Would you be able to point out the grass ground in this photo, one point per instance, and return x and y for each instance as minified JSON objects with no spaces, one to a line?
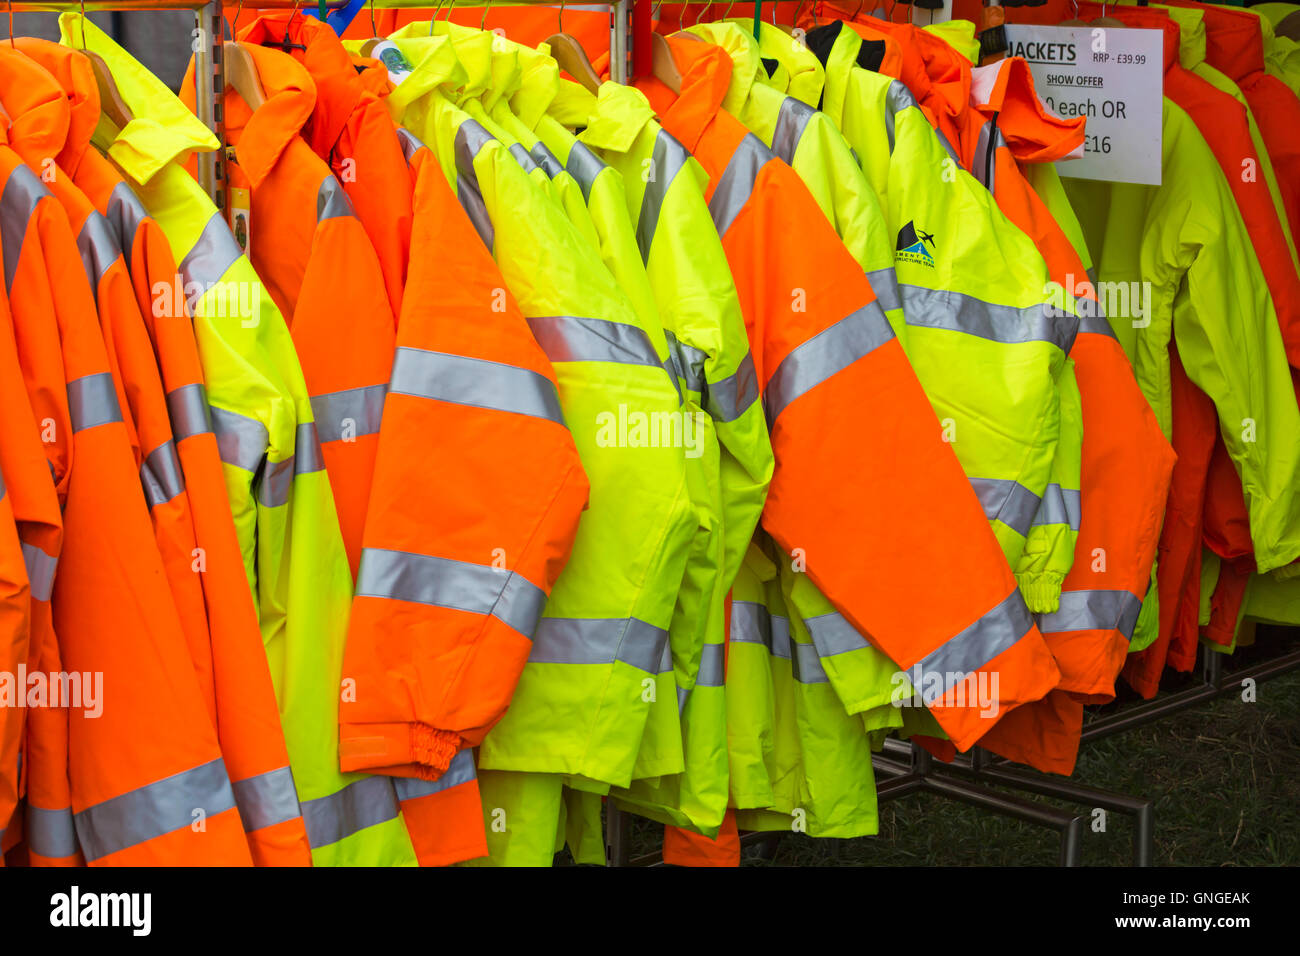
{"x":1224,"y":775}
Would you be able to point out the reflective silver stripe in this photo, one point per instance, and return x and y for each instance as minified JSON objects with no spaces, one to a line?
{"x":1007,"y":501}
{"x":266,"y":799}
{"x":971,"y":648}
{"x":729,"y":398}
{"x":331,"y":201}
{"x":1092,"y":321}
{"x":829,"y":351}
{"x":752,"y":623}
{"x":17,"y":204}
{"x":687,"y":362}
{"x":567,"y":338}
{"x":791,"y":121}
{"x":363,"y":407}
{"x":50,"y":833}
{"x":411,"y":144}
{"x":307,"y":454}
{"x":832,"y":634}
{"x":213,"y":254}
{"x":521,"y":157}
{"x":1092,"y":275}
{"x":982,"y":167}
{"x":444,"y":582}
{"x":97,"y":246}
{"x":459,"y":770}
{"x":667,"y":160}
{"x":92,"y":401}
{"x":242,"y":441}
{"x":712,"y":658}
{"x":545,"y":160}
{"x":1059,"y":506}
{"x":943,"y":141}
{"x":160,"y":475}
{"x":884,"y":282}
{"x":187,"y":407}
{"x":125,"y":214}
{"x":470,"y":138}
{"x":897,"y":97}
{"x":153,"y":810}
{"x":806,"y":665}
{"x":1093,"y":611}
{"x":364,"y":803}
{"x":737,"y":182}
{"x":40,"y":571}
{"x":463,"y":380}
{"x":584,"y":166}
{"x":956,"y":312}
{"x":571,"y":640}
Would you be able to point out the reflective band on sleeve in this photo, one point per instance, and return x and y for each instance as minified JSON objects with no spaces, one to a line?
{"x":444,"y":582}
{"x":750,"y":623}
{"x":567,"y":338}
{"x":277,"y":481}
{"x":40,"y":571}
{"x":826,"y":353}
{"x":571,"y":640}
{"x":443,"y":377}
{"x":351,"y":413}
{"x":153,"y":810}
{"x":17,"y":204}
{"x":729,"y":398}
{"x":545,"y":160}
{"x":125,"y":214}
{"x":1093,"y":611}
{"x":97,"y":246}
{"x":331,"y":201}
{"x":1007,"y":501}
{"x":242,"y":441}
{"x":1091,"y":321}
{"x":737,"y":182}
{"x":459,"y":770}
{"x":584,"y":166}
{"x":806,"y":665}
{"x":711,"y":666}
{"x":1059,"y":506}
{"x":50,"y":833}
{"x":213,"y":254}
{"x":470,"y":138}
{"x":92,"y":401}
{"x":832,"y":634}
{"x":522,"y":158}
{"x":667,"y":160}
{"x":266,"y":799}
{"x":884,"y":282}
{"x":160,"y":475}
{"x":686,"y":362}
{"x":411,"y":143}
{"x":791,"y":121}
{"x":187,"y":407}
{"x":974,"y":646}
{"x":307,"y":456}
{"x":364,"y":803}
{"x":945,"y":309}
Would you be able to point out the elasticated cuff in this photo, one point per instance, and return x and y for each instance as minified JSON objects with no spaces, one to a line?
{"x":1041,"y":590}
{"x":422,"y":751}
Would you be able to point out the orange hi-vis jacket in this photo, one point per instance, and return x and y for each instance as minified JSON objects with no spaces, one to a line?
{"x":242,"y":696}
{"x":168,"y":803}
{"x":841,"y":400}
{"x":350,"y":129}
{"x":316,"y":261}
{"x":462,"y":544}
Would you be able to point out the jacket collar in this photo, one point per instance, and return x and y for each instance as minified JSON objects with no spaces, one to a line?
{"x":75,"y":78}
{"x":37,"y":107}
{"x":801,"y":71}
{"x":706,"y":76}
{"x":574,"y":104}
{"x":1234,"y":41}
{"x":338,"y":89}
{"x":434,"y":65}
{"x":617,"y":118}
{"x":484,"y":75}
{"x":746,"y":60}
{"x":265,"y":133}
{"x":1032,"y":133}
{"x":162,"y":131}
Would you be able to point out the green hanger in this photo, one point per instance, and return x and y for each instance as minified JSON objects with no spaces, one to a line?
{"x":758,"y":16}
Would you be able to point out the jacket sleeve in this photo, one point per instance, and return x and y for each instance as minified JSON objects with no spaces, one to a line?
{"x":1049,"y":545}
{"x":475,"y":504}
{"x":15,"y":607}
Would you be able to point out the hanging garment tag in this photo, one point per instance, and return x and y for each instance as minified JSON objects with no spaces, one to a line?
{"x":240,"y":214}
{"x":1112,"y":76}
{"x":398,"y":66}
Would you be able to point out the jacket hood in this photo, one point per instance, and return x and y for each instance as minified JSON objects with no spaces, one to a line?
{"x":339,"y":90}
{"x":162,"y":129}
{"x":1234,"y":41}
{"x":489,"y":70}
{"x":266,"y":132}
{"x":616,"y":116}
{"x":746,"y":59}
{"x":706,"y":76}
{"x":76,"y":79}
{"x":1032,"y":133}
{"x":39,"y":114}
{"x":802,"y":74}
{"x":434,"y":65}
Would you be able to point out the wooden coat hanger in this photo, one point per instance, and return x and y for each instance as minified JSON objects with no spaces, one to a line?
{"x":573,"y":59}
{"x":111,"y":103}
{"x":241,"y":74}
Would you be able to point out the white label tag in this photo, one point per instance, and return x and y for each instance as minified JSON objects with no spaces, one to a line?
{"x":1113,"y":76}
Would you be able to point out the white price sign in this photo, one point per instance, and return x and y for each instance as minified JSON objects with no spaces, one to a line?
{"x":1114,"y":77}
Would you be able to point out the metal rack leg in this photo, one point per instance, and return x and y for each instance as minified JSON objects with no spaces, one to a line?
{"x":618,"y":832}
